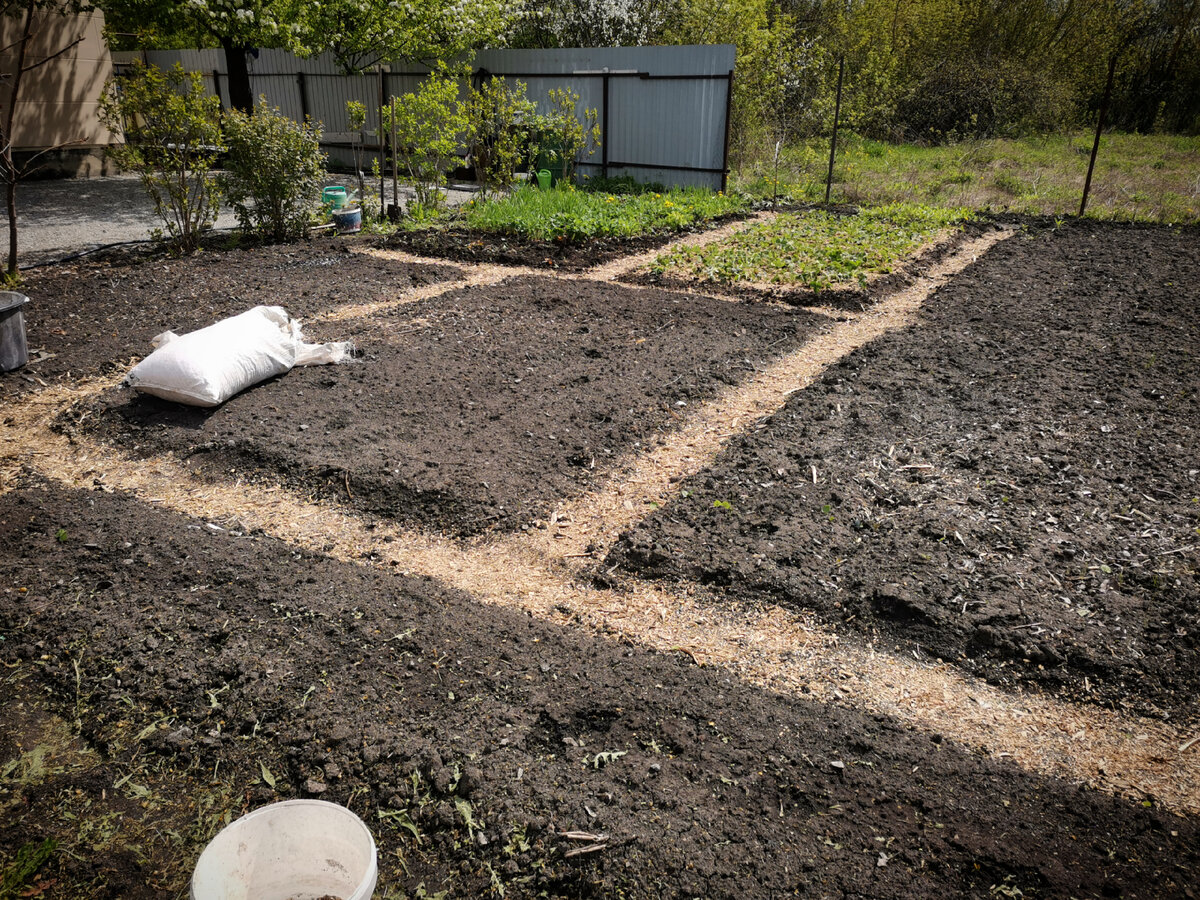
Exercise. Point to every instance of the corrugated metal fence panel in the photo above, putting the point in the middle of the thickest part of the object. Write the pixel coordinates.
(678, 124)
(697, 59)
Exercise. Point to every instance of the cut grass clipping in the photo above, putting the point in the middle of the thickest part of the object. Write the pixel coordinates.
(569, 215)
(815, 249)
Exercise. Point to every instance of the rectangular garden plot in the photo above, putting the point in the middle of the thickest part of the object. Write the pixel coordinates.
(212, 673)
(91, 316)
(1012, 484)
(480, 408)
(844, 259)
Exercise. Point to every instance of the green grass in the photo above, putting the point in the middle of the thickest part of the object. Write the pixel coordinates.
(1152, 178)
(570, 215)
(816, 249)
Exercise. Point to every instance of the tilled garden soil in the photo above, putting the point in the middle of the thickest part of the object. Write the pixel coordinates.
(478, 409)
(474, 739)
(1010, 484)
(85, 318)
(465, 245)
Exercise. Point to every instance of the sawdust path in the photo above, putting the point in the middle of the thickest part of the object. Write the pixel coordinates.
(771, 647)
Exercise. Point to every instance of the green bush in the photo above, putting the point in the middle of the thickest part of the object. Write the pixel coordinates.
(562, 135)
(273, 175)
(172, 134)
(500, 121)
(973, 99)
(428, 126)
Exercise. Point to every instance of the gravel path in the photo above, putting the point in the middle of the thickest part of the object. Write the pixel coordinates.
(61, 217)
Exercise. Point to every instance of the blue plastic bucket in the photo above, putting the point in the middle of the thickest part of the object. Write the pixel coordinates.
(348, 221)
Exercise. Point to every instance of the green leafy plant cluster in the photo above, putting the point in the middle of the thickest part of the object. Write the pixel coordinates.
(571, 215)
(428, 125)
(817, 249)
(274, 170)
(172, 131)
(500, 122)
(562, 135)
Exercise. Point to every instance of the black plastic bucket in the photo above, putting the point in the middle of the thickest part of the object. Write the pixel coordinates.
(14, 351)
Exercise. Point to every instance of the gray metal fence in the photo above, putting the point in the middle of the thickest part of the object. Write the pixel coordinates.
(664, 111)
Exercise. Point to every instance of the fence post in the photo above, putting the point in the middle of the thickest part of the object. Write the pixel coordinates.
(1087, 184)
(837, 111)
(604, 126)
(725, 141)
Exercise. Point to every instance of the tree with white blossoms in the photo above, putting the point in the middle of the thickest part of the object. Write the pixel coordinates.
(239, 26)
(362, 33)
(236, 26)
(594, 23)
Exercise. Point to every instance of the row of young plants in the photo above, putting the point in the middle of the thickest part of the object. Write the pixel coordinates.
(599, 210)
(816, 249)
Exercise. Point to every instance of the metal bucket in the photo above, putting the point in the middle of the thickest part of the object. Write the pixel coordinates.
(14, 351)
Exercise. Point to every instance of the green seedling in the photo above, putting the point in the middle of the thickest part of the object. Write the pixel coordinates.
(24, 866)
(604, 757)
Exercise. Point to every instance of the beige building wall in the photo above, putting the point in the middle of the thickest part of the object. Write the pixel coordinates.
(59, 102)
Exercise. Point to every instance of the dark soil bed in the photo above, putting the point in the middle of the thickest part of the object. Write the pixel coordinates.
(470, 738)
(86, 317)
(472, 246)
(1011, 484)
(480, 408)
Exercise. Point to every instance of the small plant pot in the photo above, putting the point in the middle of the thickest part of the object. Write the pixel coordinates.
(298, 848)
(347, 221)
(393, 213)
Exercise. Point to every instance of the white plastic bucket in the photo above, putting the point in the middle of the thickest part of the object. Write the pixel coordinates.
(294, 850)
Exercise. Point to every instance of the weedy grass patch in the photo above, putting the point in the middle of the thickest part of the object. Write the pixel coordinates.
(567, 214)
(815, 249)
(1138, 177)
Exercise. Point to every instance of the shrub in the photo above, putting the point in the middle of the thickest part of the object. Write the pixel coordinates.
(563, 136)
(428, 126)
(172, 134)
(500, 119)
(356, 120)
(274, 171)
(979, 99)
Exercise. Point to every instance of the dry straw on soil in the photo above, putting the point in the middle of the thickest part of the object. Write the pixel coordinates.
(771, 647)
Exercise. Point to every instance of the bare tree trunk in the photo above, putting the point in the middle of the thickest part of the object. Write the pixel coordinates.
(6, 155)
(240, 95)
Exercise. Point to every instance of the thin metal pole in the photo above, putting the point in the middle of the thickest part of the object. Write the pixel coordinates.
(1087, 184)
(382, 160)
(837, 111)
(395, 174)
